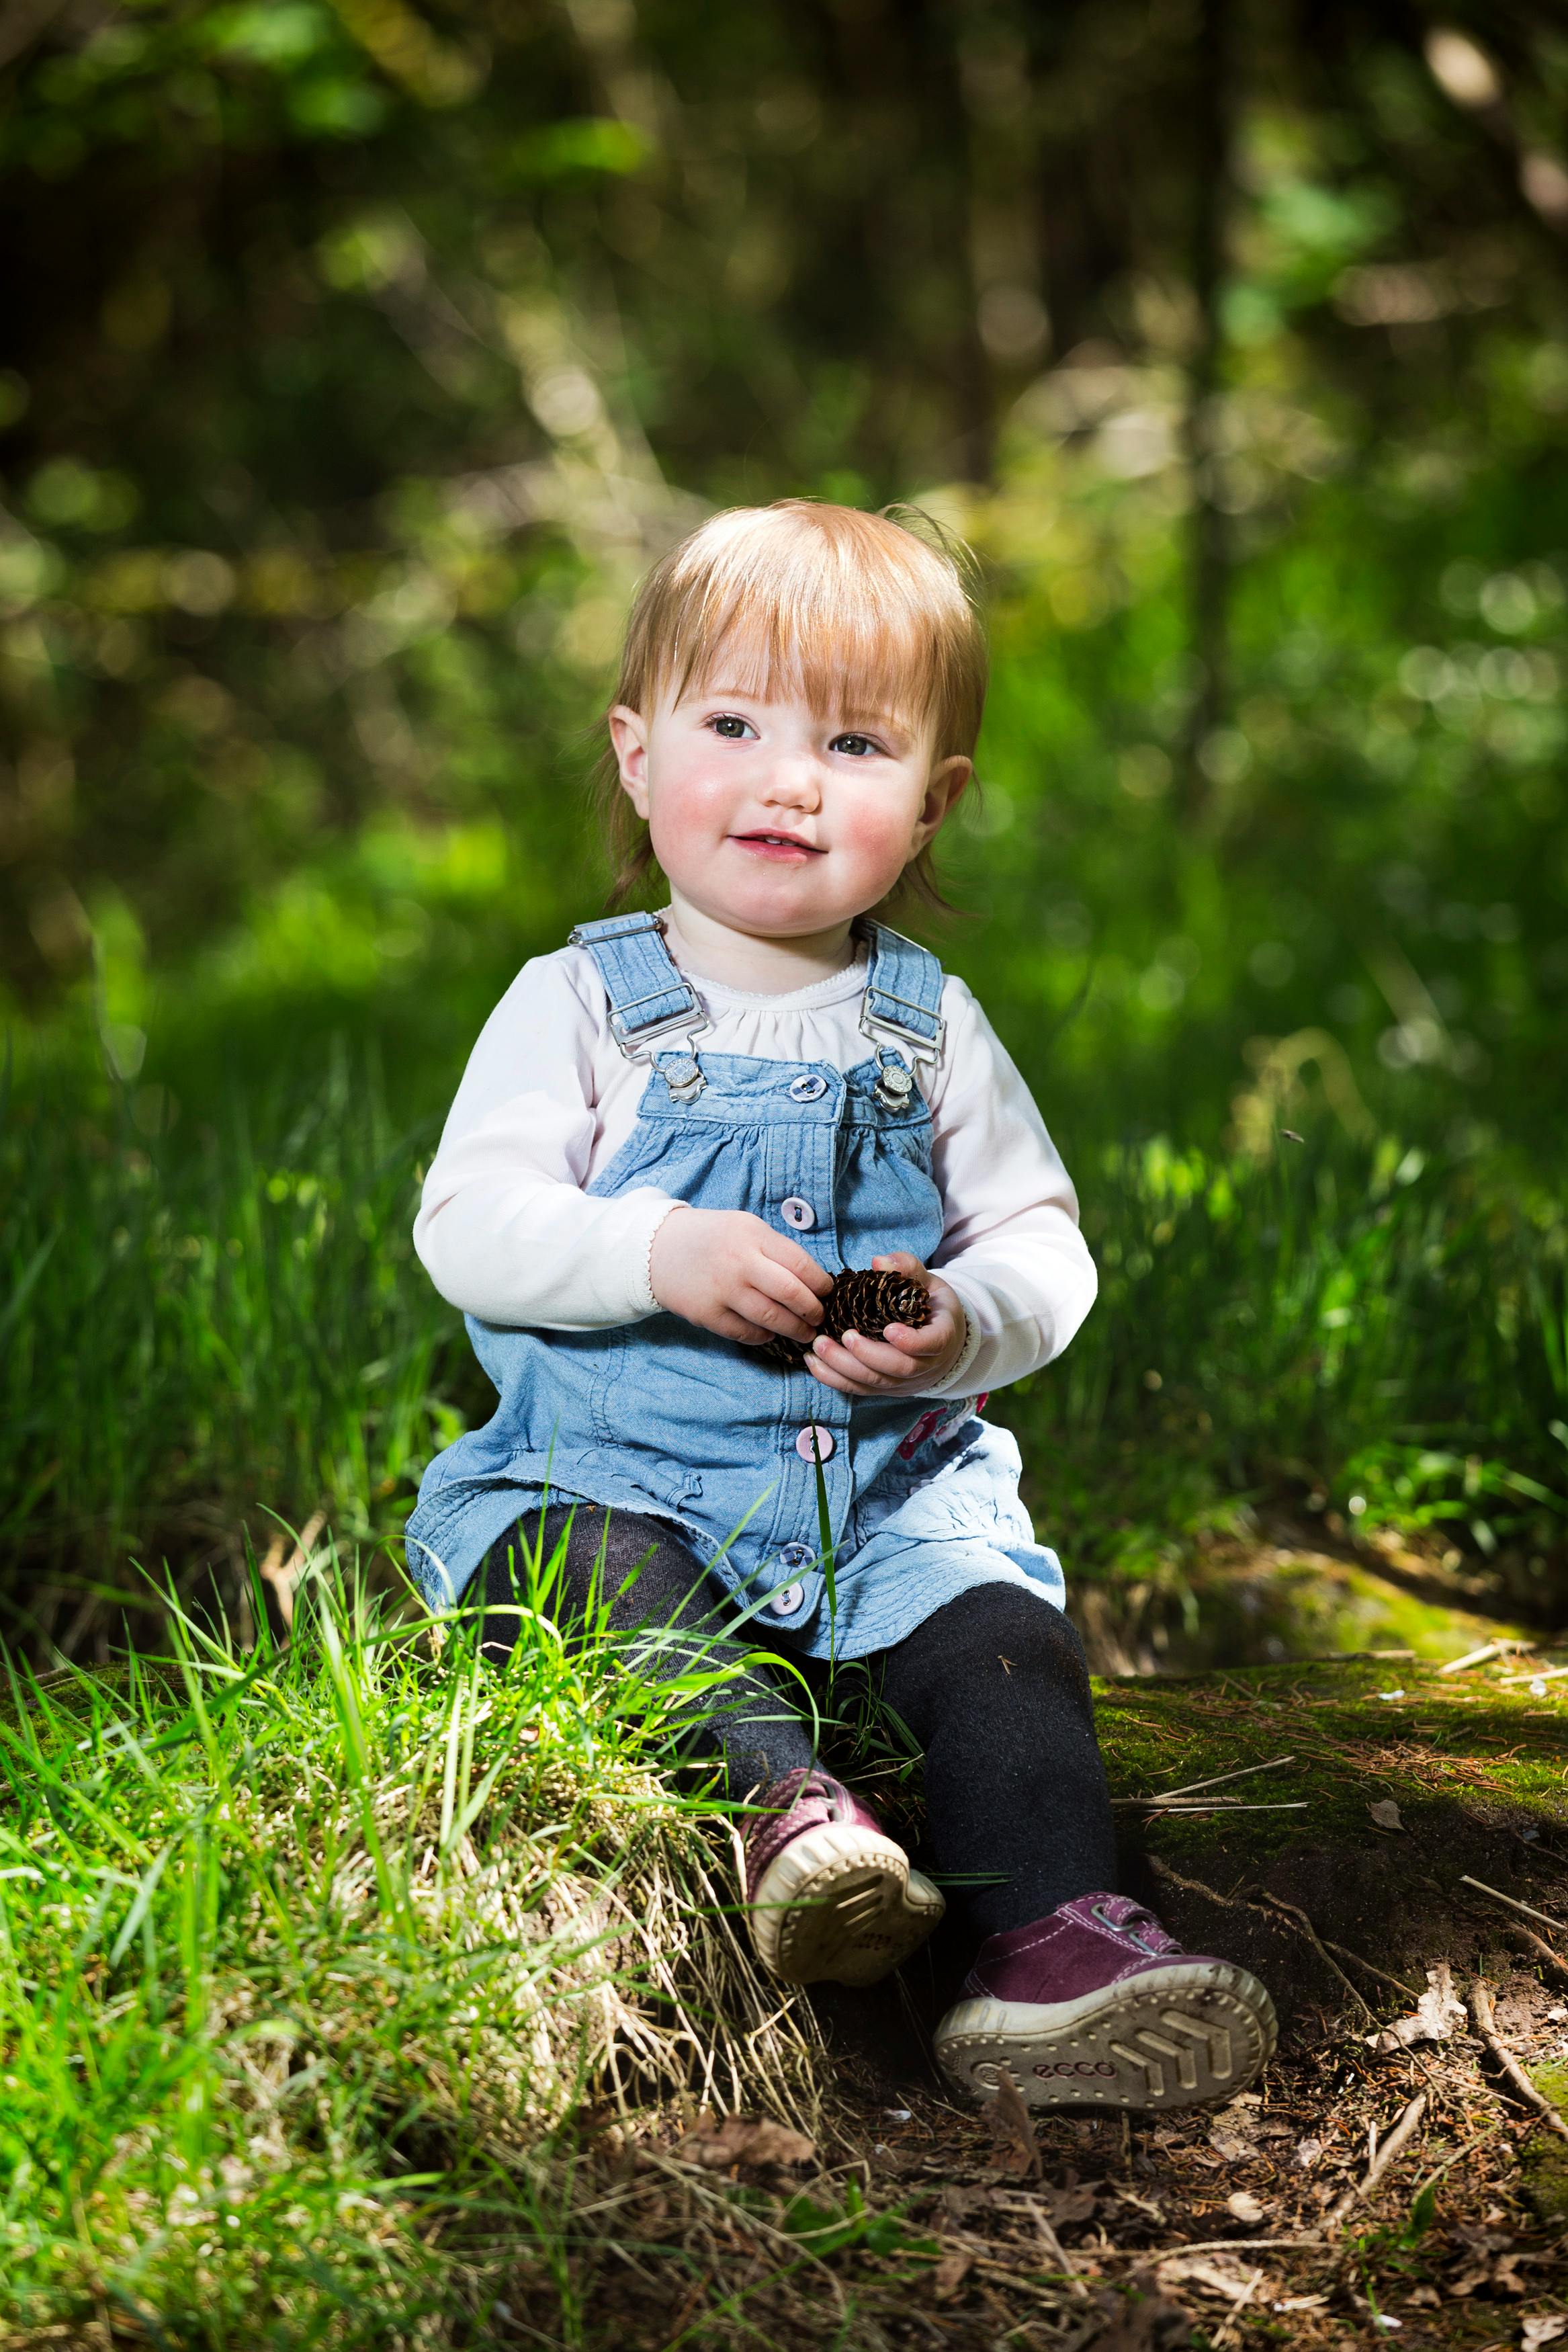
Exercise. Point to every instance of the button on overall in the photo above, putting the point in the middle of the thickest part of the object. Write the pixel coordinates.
(809, 1088)
(788, 1602)
(825, 1444)
(798, 1212)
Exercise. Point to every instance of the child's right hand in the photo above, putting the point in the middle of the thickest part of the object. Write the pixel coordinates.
(727, 1272)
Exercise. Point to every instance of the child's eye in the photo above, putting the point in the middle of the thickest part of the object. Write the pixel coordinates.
(733, 730)
(858, 747)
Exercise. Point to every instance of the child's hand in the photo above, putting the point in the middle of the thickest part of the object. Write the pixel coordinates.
(902, 1357)
(727, 1272)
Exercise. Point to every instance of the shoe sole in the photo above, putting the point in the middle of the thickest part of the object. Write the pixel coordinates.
(840, 1906)
(1171, 2037)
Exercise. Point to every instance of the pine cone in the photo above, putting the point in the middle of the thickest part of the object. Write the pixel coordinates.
(860, 1300)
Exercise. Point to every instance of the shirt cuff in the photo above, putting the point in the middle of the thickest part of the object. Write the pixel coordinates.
(952, 1382)
(647, 1304)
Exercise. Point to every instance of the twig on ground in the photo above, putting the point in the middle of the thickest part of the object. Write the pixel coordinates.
(1278, 1902)
(1485, 2026)
(1219, 1779)
(1540, 1947)
(1372, 1969)
(1394, 2147)
(1505, 1646)
(1026, 2286)
(1211, 2246)
(1266, 1909)
(1528, 1909)
(1212, 1805)
(1431, 2178)
(1229, 2329)
(1387, 2155)
(1541, 1674)
(1056, 2250)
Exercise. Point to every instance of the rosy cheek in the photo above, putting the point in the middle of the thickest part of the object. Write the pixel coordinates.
(690, 805)
(874, 829)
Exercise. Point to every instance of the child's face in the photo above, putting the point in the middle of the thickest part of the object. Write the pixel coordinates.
(773, 820)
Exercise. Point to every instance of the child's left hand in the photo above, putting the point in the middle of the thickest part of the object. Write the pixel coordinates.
(902, 1357)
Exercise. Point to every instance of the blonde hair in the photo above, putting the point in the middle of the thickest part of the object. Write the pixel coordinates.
(805, 599)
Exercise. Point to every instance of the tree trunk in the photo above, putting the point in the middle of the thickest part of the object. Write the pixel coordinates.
(1209, 551)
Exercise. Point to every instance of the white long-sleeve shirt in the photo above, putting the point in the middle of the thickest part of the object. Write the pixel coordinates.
(507, 1232)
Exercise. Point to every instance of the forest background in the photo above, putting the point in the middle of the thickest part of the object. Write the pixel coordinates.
(356, 361)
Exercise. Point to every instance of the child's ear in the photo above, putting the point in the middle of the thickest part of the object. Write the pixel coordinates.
(943, 789)
(629, 738)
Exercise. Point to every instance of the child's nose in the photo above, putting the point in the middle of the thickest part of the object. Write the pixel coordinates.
(793, 779)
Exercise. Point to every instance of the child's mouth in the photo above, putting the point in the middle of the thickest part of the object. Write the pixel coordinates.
(784, 849)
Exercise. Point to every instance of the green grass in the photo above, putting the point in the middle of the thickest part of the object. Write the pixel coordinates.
(193, 1336)
(209, 1307)
(207, 1329)
(1373, 1331)
(305, 1956)
(352, 1994)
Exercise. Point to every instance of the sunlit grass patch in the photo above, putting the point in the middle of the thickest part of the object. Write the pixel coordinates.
(306, 1954)
(199, 1326)
(1372, 1331)
(195, 1326)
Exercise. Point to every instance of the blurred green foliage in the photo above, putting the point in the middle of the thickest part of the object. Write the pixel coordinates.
(360, 356)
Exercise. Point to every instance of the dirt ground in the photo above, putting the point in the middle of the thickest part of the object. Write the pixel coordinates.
(1385, 2181)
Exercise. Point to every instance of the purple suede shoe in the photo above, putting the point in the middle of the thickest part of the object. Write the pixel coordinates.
(829, 1894)
(1098, 2006)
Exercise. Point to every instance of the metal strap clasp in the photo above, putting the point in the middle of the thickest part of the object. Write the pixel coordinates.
(639, 1040)
(922, 1036)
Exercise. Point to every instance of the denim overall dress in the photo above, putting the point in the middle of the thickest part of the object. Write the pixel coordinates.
(660, 1418)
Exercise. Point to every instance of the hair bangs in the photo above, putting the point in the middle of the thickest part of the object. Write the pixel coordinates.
(857, 615)
(792, 613)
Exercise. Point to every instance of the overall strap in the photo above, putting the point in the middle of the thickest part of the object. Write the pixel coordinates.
(902, 994)
(649, 999)
(901, 1012)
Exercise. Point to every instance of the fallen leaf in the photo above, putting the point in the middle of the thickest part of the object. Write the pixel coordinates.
(719, 2141)
(1066, 2205)
(950, 2273)
(1244, 2207)
(1207, 2275)
(1473, 2275)
(1544, 2327)
(1386, 1813)
(1307, 2154)
(1437, 2016)
(1423, 2298)
(1011, 2122)
(1485, 2239)
(1234, 2150)
(1137, 2321)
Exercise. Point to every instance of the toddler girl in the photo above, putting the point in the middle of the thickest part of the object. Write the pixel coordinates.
(670, 1137)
